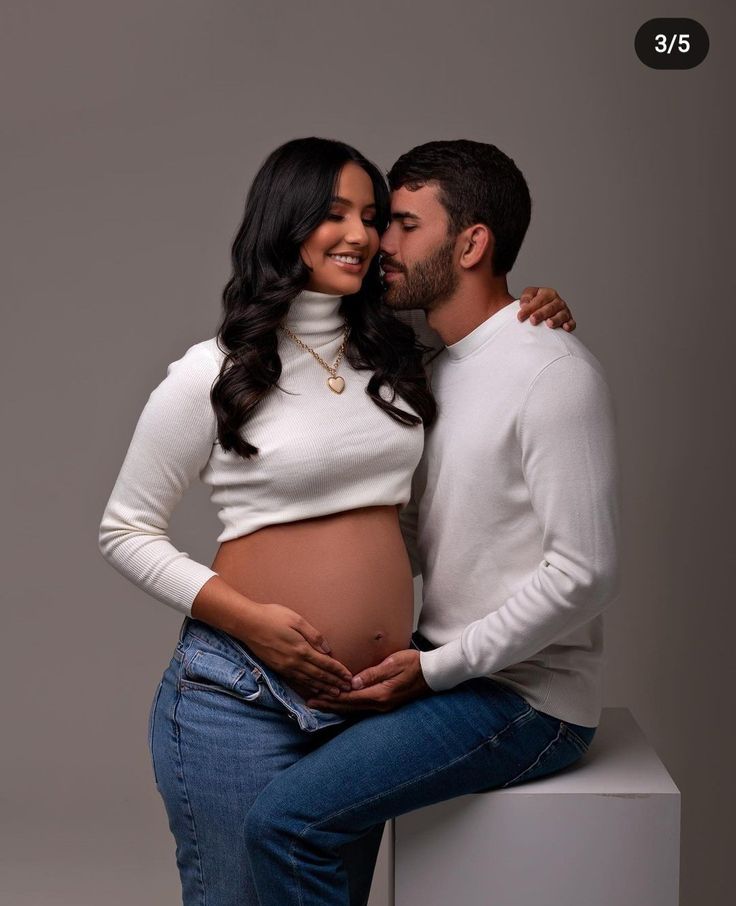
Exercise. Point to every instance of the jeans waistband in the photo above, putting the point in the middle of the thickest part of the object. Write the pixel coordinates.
(308, 718)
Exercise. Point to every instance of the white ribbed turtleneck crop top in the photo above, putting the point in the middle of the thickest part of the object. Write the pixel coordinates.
(319, 453)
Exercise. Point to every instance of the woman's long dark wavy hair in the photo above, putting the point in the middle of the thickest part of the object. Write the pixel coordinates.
(290, 197)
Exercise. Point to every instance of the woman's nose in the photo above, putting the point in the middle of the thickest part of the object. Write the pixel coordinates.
(357, 233)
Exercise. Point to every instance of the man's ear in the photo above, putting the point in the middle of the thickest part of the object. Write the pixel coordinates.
(476, 245)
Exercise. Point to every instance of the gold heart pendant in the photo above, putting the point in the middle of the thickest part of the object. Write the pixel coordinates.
(336, 384)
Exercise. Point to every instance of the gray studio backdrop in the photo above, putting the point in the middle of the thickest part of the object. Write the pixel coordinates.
(130, 134)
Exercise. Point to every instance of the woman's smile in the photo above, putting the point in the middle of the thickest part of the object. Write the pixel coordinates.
(351, 263)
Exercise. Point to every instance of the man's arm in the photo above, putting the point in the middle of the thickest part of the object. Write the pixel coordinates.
(567, 439)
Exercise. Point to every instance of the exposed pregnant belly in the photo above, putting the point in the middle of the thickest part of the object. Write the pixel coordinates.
(348, 574)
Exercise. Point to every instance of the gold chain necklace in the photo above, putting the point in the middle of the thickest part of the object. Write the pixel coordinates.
(334, 381)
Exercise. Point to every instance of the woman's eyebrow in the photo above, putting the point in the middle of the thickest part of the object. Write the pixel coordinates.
(338, 199)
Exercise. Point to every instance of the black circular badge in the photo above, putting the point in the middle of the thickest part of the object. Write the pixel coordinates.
(671, 43)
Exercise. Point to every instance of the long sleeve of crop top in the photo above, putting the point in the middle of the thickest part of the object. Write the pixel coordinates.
(171, 445)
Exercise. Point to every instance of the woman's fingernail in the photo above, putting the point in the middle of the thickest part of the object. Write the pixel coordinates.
(357, 682)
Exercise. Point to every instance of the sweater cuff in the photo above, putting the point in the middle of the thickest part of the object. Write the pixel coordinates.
(444, 667)
(180, 590)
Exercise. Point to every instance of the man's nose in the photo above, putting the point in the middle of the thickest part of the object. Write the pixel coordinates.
(387, 247)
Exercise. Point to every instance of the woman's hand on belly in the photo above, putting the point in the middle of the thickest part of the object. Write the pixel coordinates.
(284, 640)
(396, 680)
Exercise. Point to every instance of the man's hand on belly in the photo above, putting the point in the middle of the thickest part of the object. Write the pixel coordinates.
(395, 681)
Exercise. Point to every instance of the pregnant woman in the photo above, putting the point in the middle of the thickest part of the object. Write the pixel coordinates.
(305, 414)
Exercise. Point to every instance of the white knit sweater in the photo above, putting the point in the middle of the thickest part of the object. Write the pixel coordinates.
(517, 525)
(319, 453)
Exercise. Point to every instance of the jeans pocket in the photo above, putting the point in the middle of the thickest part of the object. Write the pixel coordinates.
(211, 672)
(576, 739)
(556, 754)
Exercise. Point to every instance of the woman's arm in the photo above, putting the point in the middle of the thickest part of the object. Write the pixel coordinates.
(171, 445)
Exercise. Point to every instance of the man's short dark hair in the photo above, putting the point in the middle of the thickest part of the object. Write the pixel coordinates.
(478, 183)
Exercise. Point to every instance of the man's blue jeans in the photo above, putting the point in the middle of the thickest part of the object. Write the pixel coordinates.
(477, 736)
(226, 732)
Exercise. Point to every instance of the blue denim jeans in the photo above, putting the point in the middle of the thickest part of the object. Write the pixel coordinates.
(475, 737)
(221, 726)
(272, 802)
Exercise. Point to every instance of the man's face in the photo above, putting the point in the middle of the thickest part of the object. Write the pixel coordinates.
(417, 255)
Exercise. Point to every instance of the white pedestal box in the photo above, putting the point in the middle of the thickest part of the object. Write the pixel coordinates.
(604, 832)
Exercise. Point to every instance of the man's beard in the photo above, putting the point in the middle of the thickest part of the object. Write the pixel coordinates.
(427, 284)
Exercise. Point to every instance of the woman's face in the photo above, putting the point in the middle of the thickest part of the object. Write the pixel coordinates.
(339, 251)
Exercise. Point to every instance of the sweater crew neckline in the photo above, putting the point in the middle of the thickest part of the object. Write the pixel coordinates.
(315, 317)
(487, 329)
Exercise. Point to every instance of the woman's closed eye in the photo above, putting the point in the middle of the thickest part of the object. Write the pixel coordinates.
(368, 221)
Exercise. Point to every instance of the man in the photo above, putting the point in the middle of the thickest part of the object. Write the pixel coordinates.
(515, 534)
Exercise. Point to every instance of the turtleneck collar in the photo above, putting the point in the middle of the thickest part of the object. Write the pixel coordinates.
(315, 317)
